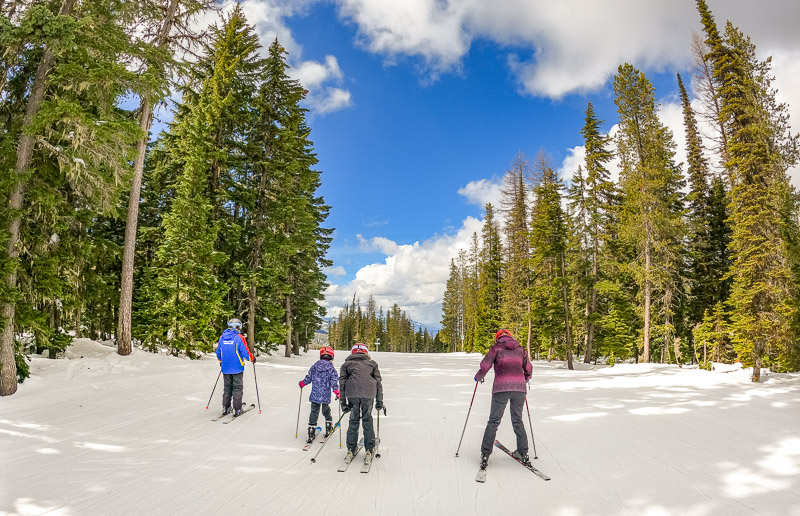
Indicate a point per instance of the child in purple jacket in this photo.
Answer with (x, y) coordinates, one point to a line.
(323, 379)
(512, 370)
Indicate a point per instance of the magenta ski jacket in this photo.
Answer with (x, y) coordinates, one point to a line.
(512, 369)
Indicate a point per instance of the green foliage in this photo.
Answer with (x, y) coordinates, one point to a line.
(23, 366)
(763, 213)
(712, 337)
(652, 217)
(394, 330)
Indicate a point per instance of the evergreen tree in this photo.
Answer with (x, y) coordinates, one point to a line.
(516, 278)
(162, 19)
(762, 210)
(59, 106)
(490, 277)
(598, 195)
(652, 217)
(451, 306)
(708, 263)
(548, 240)
(184, 297)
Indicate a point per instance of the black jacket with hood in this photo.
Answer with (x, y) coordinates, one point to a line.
(359, 377)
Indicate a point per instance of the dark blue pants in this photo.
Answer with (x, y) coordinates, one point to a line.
(362, 412)
(234, 386)
(314, 415)
(499, 401)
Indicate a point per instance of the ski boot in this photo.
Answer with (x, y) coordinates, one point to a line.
(522, 457)
(484, 461)
(368, 456)
(328, 428)
(226, 411)
(237, 413)
(312, 433)
(349, 457)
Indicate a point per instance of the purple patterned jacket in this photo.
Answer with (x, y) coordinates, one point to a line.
(512, 369)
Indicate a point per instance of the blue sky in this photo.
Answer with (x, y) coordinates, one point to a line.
(418, 107)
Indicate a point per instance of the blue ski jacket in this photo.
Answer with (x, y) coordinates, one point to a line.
(323, 379)
(232, 352)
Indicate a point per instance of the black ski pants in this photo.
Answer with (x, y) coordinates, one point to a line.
(499, 401)
(314, 415)
(234, 386)
(362, 412)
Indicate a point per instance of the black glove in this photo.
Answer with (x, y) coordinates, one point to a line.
(347, 407)
(379, 404)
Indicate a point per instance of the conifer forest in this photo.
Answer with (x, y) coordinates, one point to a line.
(113, 230)
(673, 262)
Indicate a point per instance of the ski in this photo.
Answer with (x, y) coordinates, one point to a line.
(308, 444)
(222, 415)
(246, 409)
(481, 476)
(346, 463)
(367, 463)
(529, 466)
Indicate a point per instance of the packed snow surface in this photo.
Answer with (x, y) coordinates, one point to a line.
(100, 434)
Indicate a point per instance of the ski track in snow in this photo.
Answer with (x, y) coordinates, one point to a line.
(105, 434)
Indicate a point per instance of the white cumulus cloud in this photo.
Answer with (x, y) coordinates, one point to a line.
(483, 191)
(411, 275)
(335, 271)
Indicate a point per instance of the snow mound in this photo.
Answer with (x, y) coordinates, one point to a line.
(87, 348)
(725, 368)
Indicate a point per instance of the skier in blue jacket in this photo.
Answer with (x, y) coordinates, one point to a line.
(232, 352)
(323, 379)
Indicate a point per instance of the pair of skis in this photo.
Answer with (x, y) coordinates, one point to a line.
(233, 414)
(481, 477)
(324, 437)
(367, 460)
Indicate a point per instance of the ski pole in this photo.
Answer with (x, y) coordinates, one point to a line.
(465, 422)
(256, 380)
(531, 425)
(340, 428)
(314, 458)
(297, 428)
(378, 445)
(214, 389)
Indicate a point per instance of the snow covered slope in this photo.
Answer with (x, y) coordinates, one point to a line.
(100, 434)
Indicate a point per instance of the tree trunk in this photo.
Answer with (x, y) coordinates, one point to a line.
(568, 330)
(288, 352)
(8, 369)
(593, 303)
(78, 317)
(132, 221)
(251, 316)
(530, 327)
(757, 365)
(647, 295)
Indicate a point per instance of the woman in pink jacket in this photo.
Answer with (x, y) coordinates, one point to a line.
(512, 370)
